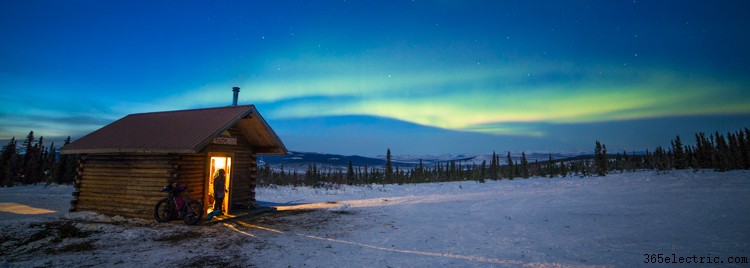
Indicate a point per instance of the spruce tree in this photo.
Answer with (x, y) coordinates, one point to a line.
(722, 154)
(366, 175)
(600, 159)
(605, 159)
(349, 173)
(39, 158)
(494, 166)
(744, 147)
(13, 170)
(511, 170)
(420, 173)
(680, 159)
(524, 166)
(551, 167)
(9, 152)
(65, 167)
(483, 170)
(703, 151)
(388, 166)
(564, 169)
(735, 151)
(28, 163)
(49, 163)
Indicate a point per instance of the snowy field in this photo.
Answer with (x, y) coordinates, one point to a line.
(581, 222)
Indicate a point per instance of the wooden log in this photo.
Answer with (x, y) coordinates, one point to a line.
(194, 176)
(145, 161)
(122, 175)
(193, 187)
(199, 156)
(125, 176)
(115, 159)
(192, 173)
(119, 193)
(200, 164)
(191, 177)
(130, 189)
(121, 185)
(191, 166)
(128, 156)
(136, 212)
(133, 187)
(156, 171)
(191, 182)
(122, 198)
(131, 165)
(132, 177)
(104, 201)
(128, 179)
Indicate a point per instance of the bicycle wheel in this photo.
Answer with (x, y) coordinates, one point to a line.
(164, 210)
(194, 212)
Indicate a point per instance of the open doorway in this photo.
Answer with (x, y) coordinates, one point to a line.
(217, 163)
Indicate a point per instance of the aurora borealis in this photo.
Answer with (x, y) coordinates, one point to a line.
(356, 77)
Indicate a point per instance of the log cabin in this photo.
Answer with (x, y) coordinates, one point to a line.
(123, 166)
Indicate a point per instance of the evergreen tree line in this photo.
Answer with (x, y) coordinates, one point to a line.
(715, 151)
(34, 162)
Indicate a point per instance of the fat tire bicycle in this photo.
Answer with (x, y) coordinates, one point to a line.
(178, 207)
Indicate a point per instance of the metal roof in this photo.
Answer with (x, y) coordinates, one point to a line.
(184, 131)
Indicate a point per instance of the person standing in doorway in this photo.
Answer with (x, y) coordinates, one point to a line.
(220, 182)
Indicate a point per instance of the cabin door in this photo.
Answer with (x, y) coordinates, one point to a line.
(218, 163)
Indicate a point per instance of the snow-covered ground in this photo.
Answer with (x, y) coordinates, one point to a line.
(540, 222)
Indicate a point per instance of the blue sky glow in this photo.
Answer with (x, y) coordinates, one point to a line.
(357, 77)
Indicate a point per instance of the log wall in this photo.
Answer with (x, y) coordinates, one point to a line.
(129, 184)
(191, 172)
(244, 181)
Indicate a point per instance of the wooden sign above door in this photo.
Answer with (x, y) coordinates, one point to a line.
(225, 140)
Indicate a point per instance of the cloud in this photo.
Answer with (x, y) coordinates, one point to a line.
(58, 126)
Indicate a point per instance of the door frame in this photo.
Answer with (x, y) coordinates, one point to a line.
(208, 177)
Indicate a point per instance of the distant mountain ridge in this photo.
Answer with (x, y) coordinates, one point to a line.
(300, 160)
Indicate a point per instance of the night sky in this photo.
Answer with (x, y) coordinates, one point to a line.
(358, 77)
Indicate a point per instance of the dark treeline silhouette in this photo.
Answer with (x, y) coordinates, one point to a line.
(715, 151)
(33, 162)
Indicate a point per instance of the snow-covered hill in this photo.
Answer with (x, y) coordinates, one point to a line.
(618, 220)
